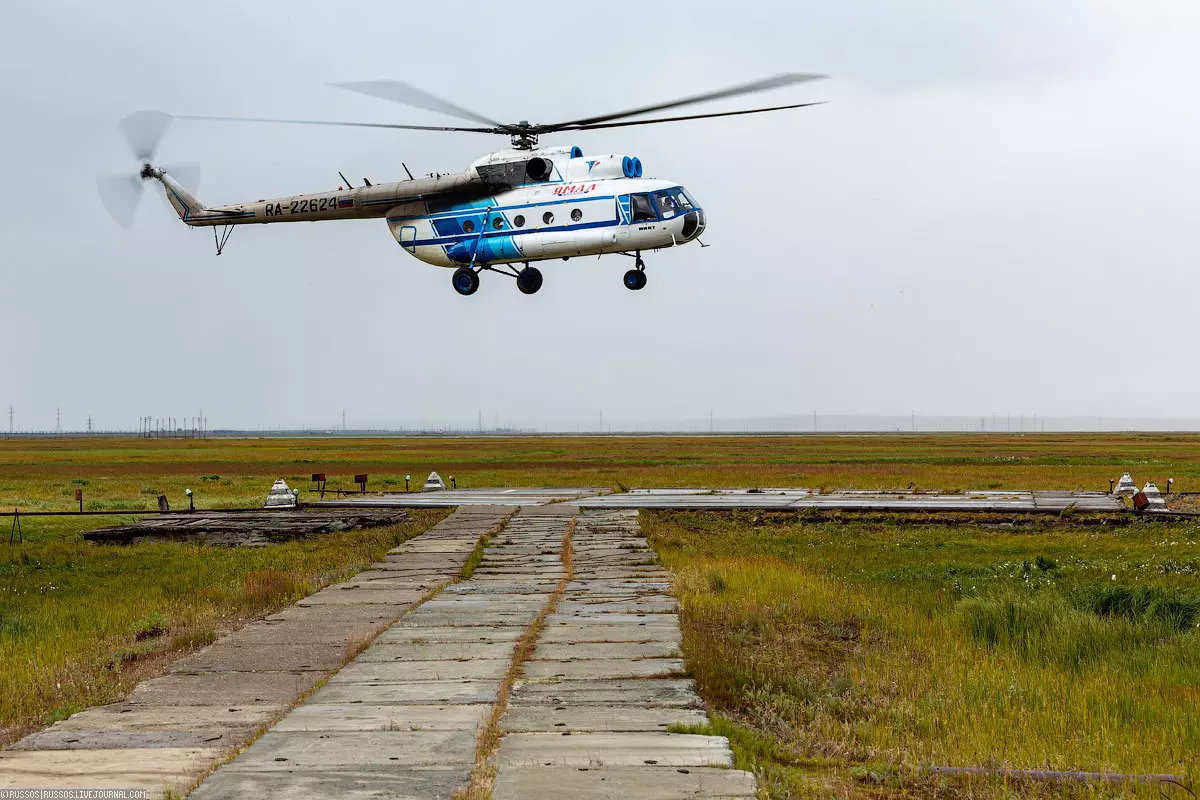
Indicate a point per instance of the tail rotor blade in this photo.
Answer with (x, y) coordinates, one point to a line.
(143, 130)
(120, 195)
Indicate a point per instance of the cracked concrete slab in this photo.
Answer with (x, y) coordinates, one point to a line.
(603, 669)
(615, 749)
(438, 651)
(466, 634)
(565, 632)
(361, 783)
(405, 670)
(425, 693)
(277, 750)
(595, 718)
(233, 657)
(574, 650)
(153, 768)
(362, 717)
(605, 783)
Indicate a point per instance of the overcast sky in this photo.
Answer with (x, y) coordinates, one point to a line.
(997, 211)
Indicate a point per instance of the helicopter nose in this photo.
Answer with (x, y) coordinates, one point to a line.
(693, 224)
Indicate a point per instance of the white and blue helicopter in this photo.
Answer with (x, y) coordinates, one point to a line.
(513, 207)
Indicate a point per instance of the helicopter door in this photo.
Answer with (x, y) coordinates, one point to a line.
(408, 238)
(623, 217)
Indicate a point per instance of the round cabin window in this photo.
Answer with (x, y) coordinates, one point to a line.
(468, 226)
(498, 223)
(576, 215)
(519, 221)
(548, 217)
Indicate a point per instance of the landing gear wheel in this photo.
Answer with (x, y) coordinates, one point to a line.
(465, 281)
(635, 279)
(529, 280)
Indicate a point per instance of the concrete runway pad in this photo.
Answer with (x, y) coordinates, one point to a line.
(228, 657)
(228, 689)
(361, 783)
(605, 783)
(276, 751)
(389, 652)
(577, 719)
(603, 669)
(423, 693)
(664, 693)
(362, 717)
(398, 599)
(434, 635)
(606, 650)
(403, 671)
(153, 767)
(613, 749)
(564, 632)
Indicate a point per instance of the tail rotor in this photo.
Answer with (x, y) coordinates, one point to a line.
(121, 193)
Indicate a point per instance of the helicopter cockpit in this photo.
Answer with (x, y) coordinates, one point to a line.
(665, 205)
(662, 205)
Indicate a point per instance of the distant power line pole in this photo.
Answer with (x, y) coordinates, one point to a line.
(343, 420)
(10, 419)
(58, 420)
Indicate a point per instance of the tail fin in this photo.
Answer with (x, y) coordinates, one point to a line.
(185, 205)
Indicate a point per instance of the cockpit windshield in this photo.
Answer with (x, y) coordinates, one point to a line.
(672, 202)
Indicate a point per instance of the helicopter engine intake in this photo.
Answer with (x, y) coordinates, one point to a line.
(539, 169)
(612, 166)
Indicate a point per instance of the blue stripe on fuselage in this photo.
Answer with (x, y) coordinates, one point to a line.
(440, 240)
(471, 211)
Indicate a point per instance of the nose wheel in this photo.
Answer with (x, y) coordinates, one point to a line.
(636, 278)
(466, 281)
(529, 280)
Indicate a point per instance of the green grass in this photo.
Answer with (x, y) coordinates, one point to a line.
(851, 655)
(39, 474)
(80, 624)
(840, 655)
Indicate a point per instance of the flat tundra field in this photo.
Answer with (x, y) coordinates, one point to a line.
(842, 655)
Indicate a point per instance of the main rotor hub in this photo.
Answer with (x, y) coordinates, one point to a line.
(521, 137)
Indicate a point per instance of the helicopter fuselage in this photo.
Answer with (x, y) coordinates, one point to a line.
(552, 220)
(492, 213)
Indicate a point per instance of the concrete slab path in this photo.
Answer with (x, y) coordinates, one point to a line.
(174, 728)
(403, 719)
(590, 716)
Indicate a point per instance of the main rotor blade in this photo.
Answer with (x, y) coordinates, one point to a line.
(342, 124)
(143, 130)
(775, 82)
(409, 95)
(690, 116)
(120, 195)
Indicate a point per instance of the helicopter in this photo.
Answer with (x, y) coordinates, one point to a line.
(520, 206)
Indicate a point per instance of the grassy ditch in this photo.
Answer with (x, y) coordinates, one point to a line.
(842, 658)
(81, 624)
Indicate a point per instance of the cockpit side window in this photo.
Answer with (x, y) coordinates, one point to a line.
(640, 207)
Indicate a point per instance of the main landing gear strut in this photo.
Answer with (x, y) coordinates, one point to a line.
(636, 278)
(466, 280)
